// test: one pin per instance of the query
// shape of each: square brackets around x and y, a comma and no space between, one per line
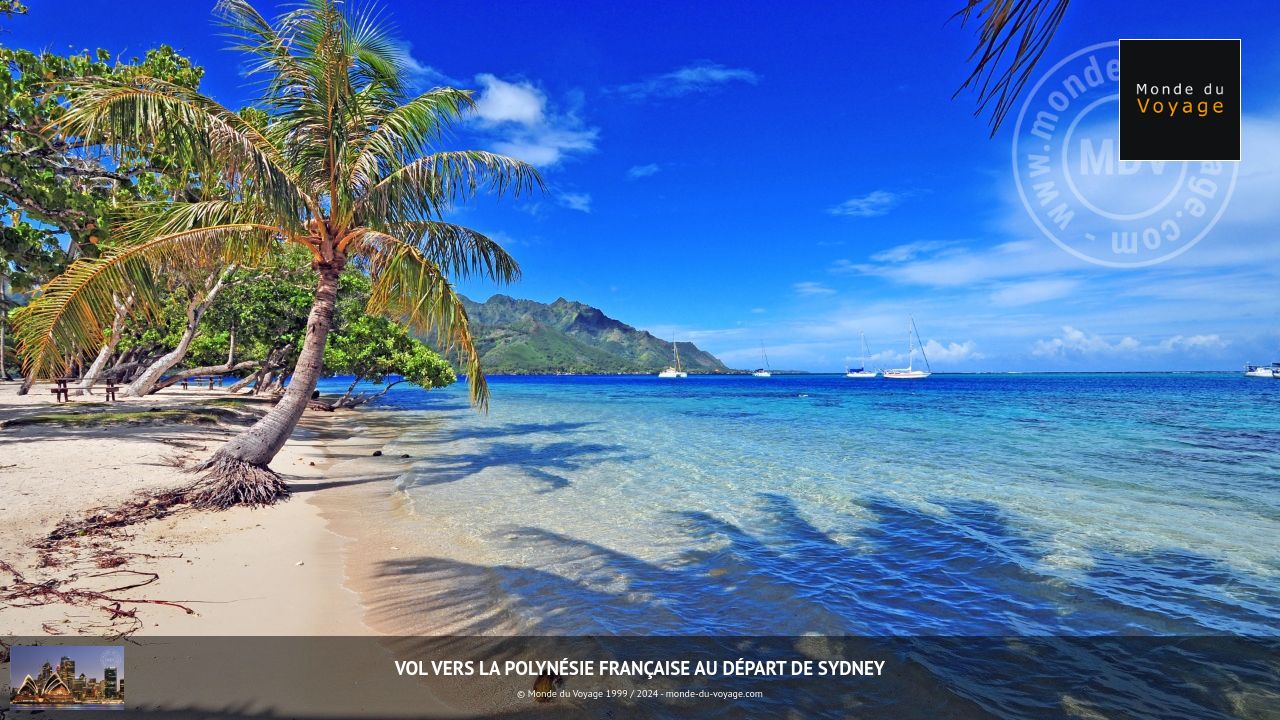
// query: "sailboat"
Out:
[676,371]
[1262,371]
[766,370]
[909,372]
[861,371]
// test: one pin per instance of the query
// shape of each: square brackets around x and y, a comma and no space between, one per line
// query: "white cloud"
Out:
[424,75]
[696,77]
[516,116]
[1078,342]
[810,288]
[952,352]
[1194,342]
[873,204]
[758,311]
[575,201]
[501,101]
[643,171]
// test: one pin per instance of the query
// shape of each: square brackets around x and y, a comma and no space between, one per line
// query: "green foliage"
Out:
[9,8]
[337,157]
[57,195]
[267,308]
[55,180]
[372,348]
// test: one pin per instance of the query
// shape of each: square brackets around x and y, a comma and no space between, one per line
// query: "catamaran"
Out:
[765,371]
[861,371]
[1263,371]
[909,372]
[676,371]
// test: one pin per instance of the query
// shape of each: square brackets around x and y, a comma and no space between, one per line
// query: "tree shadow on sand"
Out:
[921,577]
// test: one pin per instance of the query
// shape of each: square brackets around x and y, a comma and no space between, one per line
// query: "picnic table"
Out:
[60,389]
[63,393]
[201,380]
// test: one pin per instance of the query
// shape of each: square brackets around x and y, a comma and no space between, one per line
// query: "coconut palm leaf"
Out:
[460,252]
[429,185]
[1013,36]
[65,321]
[408,287]
[335,156]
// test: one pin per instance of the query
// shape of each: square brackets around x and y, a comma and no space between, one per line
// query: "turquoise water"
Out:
[972,505]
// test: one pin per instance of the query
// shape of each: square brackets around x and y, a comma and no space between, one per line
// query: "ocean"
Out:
[996,505]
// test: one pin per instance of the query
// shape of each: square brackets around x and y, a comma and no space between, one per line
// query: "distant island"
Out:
[524,337]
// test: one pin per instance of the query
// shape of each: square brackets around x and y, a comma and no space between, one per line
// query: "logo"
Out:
[1180,99]
[1082,196]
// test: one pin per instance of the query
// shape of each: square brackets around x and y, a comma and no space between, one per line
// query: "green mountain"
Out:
[523,337]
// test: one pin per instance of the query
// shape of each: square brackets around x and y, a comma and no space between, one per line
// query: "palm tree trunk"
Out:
[237,472]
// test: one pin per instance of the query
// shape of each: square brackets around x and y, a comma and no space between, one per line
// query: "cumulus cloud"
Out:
[952,352]
[643,171]
[517,117]
[1078,342]
[701,76]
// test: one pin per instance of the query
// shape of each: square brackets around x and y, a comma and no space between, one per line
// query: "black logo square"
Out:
[1180,100]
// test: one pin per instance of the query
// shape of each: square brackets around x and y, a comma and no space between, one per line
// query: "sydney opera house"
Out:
[60,686]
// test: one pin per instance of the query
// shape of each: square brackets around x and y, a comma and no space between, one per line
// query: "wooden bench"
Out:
[60,389]
[201,380]
[110,390]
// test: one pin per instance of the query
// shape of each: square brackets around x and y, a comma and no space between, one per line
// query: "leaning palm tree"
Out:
[336,156]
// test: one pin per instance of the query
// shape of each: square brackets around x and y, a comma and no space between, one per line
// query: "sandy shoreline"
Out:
[242,571]
[325,564]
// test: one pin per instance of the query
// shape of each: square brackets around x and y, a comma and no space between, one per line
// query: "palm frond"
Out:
[66,320]
[255,36]
[406,132]
[409,288]
[427,186]
[145,113]
[458,251]
[1013,37]
[141,221]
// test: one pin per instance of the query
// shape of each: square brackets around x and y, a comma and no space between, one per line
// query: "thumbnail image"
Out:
[67,676]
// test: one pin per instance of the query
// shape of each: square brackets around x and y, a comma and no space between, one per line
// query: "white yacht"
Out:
[675,371]
[765,371]
[910,372]
[861,371]
[1263,371]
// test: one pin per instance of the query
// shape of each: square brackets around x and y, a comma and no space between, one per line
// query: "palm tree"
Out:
[336,157]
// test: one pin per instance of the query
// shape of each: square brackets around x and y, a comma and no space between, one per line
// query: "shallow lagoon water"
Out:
[972,505]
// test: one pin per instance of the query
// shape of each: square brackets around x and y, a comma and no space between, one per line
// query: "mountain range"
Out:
[524,337]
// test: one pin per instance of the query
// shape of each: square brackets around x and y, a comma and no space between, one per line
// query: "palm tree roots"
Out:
[228,482]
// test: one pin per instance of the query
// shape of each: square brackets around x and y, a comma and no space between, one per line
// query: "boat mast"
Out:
[921,344]
[911,348]
[676,348]
[764,356]
[863,337]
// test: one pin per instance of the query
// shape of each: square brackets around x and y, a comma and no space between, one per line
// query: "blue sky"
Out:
[89,659]
[747,171]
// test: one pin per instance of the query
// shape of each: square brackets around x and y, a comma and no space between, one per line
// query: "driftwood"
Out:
[203,372]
